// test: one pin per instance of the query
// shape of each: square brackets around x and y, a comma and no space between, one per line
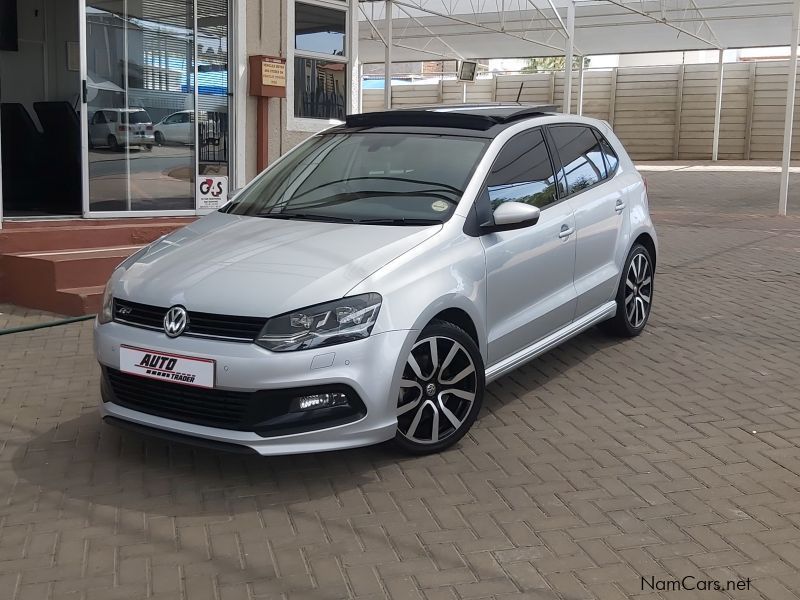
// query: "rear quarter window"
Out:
[581,156]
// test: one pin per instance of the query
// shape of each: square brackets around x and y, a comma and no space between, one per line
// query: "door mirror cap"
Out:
[513,215]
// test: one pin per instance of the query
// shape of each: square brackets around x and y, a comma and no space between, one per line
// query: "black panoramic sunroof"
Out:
[469,116]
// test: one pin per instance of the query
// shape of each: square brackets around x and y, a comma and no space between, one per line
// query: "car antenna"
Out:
[519,91]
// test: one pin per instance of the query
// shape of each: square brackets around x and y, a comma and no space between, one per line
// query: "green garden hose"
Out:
[45,325]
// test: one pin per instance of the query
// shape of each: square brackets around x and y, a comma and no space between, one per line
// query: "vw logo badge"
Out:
[175,321]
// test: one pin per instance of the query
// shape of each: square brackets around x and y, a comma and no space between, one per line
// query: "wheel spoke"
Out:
[642,270]
[458,393]
[435,424]
[412,429]
[450,356]
[645,297]
[434,355]
[646,281]
[629,283]
[466,371]
[448,413]
[407,407]
[412,362]
[629,298]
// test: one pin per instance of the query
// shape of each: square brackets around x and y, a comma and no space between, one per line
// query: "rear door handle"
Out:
[566,231]
[620,205]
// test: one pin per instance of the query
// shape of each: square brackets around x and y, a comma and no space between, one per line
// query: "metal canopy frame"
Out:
[532,26]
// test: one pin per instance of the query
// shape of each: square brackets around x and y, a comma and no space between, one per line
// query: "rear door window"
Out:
[581,156]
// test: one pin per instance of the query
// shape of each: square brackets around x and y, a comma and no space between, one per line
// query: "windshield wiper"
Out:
[400,221]
[307,217]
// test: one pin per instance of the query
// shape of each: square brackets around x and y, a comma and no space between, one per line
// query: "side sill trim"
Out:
[606,311]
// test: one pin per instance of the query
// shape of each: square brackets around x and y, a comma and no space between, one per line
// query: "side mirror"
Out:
[513,215]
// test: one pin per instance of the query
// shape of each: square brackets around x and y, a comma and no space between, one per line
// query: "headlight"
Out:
[322,325]
[106,314]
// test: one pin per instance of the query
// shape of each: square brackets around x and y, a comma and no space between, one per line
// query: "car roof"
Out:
[484,120]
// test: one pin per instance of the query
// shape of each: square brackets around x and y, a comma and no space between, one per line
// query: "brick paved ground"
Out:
[670,455]
[12,316]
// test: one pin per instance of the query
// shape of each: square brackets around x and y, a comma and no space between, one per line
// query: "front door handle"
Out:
[566,231]
[620,205]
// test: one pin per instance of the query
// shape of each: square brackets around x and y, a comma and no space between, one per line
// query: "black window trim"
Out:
[557,157]
[478,215]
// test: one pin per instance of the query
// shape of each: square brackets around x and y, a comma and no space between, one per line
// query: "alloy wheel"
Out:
[437,390]
[638,290]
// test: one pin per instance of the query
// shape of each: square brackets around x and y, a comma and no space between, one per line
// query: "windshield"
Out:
[374,178]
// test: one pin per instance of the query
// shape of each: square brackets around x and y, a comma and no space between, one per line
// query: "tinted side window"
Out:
[612,161]
[581,156]
[522,172]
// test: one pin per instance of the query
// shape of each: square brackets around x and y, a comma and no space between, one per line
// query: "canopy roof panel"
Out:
[448,29]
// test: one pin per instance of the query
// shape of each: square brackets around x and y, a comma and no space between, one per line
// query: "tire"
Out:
[160,138]
[636,286]
[113,144]
[148,147]
[423,397]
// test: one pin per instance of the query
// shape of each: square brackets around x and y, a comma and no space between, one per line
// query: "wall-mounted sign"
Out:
[267,76]
[273,72]
[212,192]
[467,70]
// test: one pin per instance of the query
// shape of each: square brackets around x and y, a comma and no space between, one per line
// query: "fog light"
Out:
[315,401]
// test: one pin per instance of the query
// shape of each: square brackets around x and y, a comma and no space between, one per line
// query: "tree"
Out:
[552,63]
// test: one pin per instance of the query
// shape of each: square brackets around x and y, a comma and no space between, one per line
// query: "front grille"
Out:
[207,325]
[201,406]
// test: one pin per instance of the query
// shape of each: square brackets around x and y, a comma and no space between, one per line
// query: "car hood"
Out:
[252,266]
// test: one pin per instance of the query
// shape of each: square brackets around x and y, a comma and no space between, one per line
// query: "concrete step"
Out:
[78,301]
[68,282]
[83,233]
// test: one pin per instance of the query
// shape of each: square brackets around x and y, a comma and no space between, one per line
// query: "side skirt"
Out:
[606,311]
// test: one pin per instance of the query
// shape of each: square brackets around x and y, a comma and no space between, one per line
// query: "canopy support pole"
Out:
[580,85]
[568,57]
[783,201]
[387,62]
[718,106]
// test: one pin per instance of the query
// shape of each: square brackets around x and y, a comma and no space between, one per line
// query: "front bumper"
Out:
[371,367]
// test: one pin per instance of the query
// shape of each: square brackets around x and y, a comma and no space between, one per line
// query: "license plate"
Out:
[175,368]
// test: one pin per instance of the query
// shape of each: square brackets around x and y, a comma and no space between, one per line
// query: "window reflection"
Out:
[318,29]
[581,156]
[319,88]
[611,157]
[522,172]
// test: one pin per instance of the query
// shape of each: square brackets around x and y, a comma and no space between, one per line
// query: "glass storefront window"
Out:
[320,85]
[320,88]
[149,72]
[319,29]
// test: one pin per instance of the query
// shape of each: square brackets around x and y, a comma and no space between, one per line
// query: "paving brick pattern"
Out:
[12,317]
[675,454]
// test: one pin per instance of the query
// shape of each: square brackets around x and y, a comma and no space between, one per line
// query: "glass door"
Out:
[139,105]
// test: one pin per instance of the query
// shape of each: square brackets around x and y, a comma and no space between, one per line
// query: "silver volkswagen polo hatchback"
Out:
[369,284]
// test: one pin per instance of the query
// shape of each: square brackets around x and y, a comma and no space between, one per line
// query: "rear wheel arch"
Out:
[646,240]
